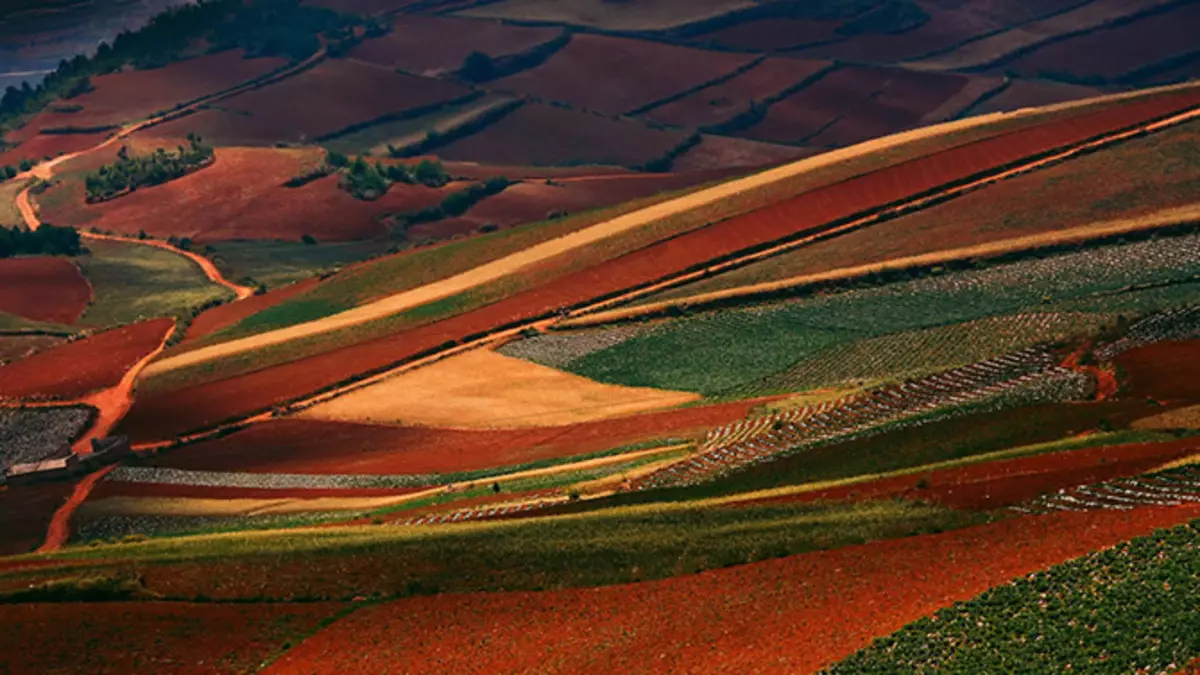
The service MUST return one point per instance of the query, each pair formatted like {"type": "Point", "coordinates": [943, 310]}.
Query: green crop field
{"type": "Point", "coordinates": [1129, 609]}
{"type": "Point", "coordinates": [134, 282]}
{"type": "Point", "coordinates": [279, 263]}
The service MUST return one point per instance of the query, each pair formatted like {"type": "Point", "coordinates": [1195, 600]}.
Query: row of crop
{"type": "Point", "coordinates": [1165, 488]}
{"type": "Point", "coordinates": [1026, 375]}
{"type": "Point", "coordinates": [266, 481]}
{"type": "Point", "coordinates": [489, 511]}
{"type": "Point", "coordinates": [1175, 324]}
{"type": "Point", "coordinates": [35, 434]}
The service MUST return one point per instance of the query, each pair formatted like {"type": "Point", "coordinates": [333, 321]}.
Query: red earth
{"type": "Point", "coordinates": [431, 45]}
{"type": "Point", "coordinates": [722, 102]}
{"type": "Point", "coordinates": [770, 34]}
{"type": "Point", "coordinates": [790, 615]}
{"type": "Point", "coordinates": [242, 196]}
{"type": "Point", "coordinates": [84, 366]}
{"type": "Point", "coordinates": [132, 95]}
{"type": "Point", "coordinates": [231, 313]}
{"type": "Point", "coordinates": [43, 289]}
{"type": "Point", "coordinates": [613, 76]}
{"type": "Point", "coordinates": [14, 347]}
{"type": "Point", "coordinates": [207, 404]}
{"type": "Point", "coordinates": [25, 512]}
{"type": "Point", "coordinates": [1032, 93]}
{"type": "Point", "coordinates": [41, 146]}
{"type": "Point", "coordinates": [538, 134]}
{"type": "Point", "coordinates": [715, 152]}
{"type": "Point", "coordinates": [157, 637]}
{"type": "Point", "coordinates": [308, 446]}
{"type": "Point", "coordinates": [331, 97]}
{"type": "Point", "coordinates": [106, 489]}
{"type": "Point", "coordinates": [943, 30]}
{"type": "Point", "coordinates": [998, 484]}
{"type": "Point", "coordinates": [1119, 50]}
{"type": "Point", "coordinates": [1165, 371]}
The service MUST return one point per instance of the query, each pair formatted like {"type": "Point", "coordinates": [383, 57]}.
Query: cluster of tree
{"type": "Point", "coordinates": [478, 67]}
{"type": "Point", "coordinates": [129, 173]}
{"type": "Point", "coordinates": [46, 240]}
{"type": "Point", "coordinates": [8, 171]}
{"type": "Point", "coordinates": [435, 139]}
{"type": "Point", "coordinates": [284, 28]}
{"type": "Point", "coordinates": [368, 181]}
{"type": "Point", "coordinates": [456, 203]}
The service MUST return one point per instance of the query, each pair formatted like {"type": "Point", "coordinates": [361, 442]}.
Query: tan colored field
{"type": "Point", "coordinates": [483, 389]}
{"type": "Point", "coordinates": [988, 50]}
{"type": "Point", "coordinates": [643, 15]}
{"type": "Point", "coordinates": [1182, 418]}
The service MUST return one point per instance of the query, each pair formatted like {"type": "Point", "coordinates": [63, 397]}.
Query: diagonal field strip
{"type": "Point", "coordinates": [517, 262]}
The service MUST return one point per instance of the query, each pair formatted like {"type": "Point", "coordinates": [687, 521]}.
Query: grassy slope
{"type": "Point", "coordinates": [135, 282]}
{"type": "Point", "coordinates": [1128, 609]}
{"type": "Point", "coordinates": [279, 263]}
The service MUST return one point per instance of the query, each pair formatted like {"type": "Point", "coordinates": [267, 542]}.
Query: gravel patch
{"type": "Point", "coordinates": [36, 434]}
{"type": "Point", "coordinates": [276, 481]}
{"type": "Point", "coordinates": [115, 528]}
{"type": "Point", "coordinates": [558, 350]}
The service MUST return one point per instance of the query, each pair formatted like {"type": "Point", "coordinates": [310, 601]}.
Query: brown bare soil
{"type": "Point", "coordinates": [770, 34]}
{"type": "Point", "coordinates": [481, 389]}
{"type": "Point", "coordinates": [1031, 94]}
{"type": "Point", "coordinates": [791, 615]}
{"type": "Point", "coordinates": [81, 367]}
{"type": "Point", "coordinates": [309, 446]}
{"type": "Point", "coordinates": [617, 75]}
{"type": "Point", "coordinates": [336, 94]}
{"type": "Point", "coordinates": [643, 15]}
{"type": "Point", "coordinates": [41, 146]}
{"type": "Point", "coordinates": [25, 512]}
{"type": "Point", "coordinates": [43, 289]}
{"type": "Point", "coordinates": [1166, 371]}
{"type": "Point", "coordinates": [160, 637]}
{"type": "Point", "coordinates": [434, 45]}
{"type": "Point", "coordinates": [714, 152]}
{"type": "Point", "coordinates": [111, 489]}
{"type": "Point", "coordinates": [16, 347]}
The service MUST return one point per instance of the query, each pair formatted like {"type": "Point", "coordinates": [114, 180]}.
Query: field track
{"type": "Point", "coordinates": [840, 200]}
{"type": "Point", "coordinates": [60, 525]}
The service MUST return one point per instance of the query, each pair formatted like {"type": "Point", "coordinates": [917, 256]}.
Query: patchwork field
{"type": "Point", "coordinates": [769, 35]}
{"type": "Point", "coordinates": [1031, 93]}
{"type": "Point", "coordinates": [435, 45]}
{"type": "Point", "coordinates": [617, 75]}
{"type": "Point", "coordinates": [43, 289]}
{"type": "Point", "coordinates": [653, 15]}
{"type": "Point", "coordinates": [325, 100]}
{"type": "Point", "coordinates": [718, 152]}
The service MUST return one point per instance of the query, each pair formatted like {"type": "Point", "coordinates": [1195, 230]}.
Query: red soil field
{"type": "Point", "coordinates": [1166, 371]}
{"type": "Point", "coordinates": [42, 146]}
{"type": "Point", "coordinates": [334, 95]}
{"type": "Point", "coordinates": [770, 35]}
{"type": "Point", "coordinates": [14, 347]}
{"type": "Point", "coordinates": [714, 152]}
{"type": "Point", "coordinates": [224, 316]}
{"type": "Point", "coordinates": [791, 615]}
{"type": "Point", "coordinates": [25, 512]}
{"type": "Point", "coordinates": [136, 94]}
{"type": "Point", "coordinates": [617, 75]}
{"type": "Point", "coordinates": [538, 134]}
{"type": "Point", "coordinates": [853, 104]}
{"type": "Point", "coordinates": [722, 102]}
{"type": "Point", "coordinates": [43, 289]}
{"type": "Point", "coordinates": [84, 366]}
{"type": "Point", "coordinates": [106, 489]}
{"type": "Point", "coordinates": [943, 30]}
{"type": "Point", "coordinates": [307, 446]}
{"type": "Point", "coordinates": [998, 484]}
{"type": "Point", "coordinates": [476, 171]}
{"type": "Point", "coordinates": [432, 45]}
{"type": "Point", "coordinates": [1120, 50]}
{"type": "Point", "coordinates": [185, 409]}
{"type": "Point", "coordinates": [1033, 93]}
{"type": "Point", "coordinates": [158, 637]}
{"type": "Point", "coordinates": [243, 196]}
{"type": "Point", "coordinates": [372, 7]}
{"type": "Point", "coordinates": [1004, 12]}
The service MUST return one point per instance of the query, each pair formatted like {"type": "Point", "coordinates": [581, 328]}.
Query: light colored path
{"type": "Point", "coordinates": [60, 524]}
{"type": "Point", "coordinates": [481, 389]}
{"type": "Point", "coordinates": [534, 255]}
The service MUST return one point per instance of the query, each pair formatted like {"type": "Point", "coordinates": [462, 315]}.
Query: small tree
{"type": "Point", "coordinates": [308, 239]}
{"type": "Point", "coordinates": [26, 164]}
{"type": "Point", "coordinates": [478, 67]}
{"type": "Point", "coordinates": [337, 159]}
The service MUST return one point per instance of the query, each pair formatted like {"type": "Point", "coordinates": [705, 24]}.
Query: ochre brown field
{"type": "Point", "coordinates": [43, 289]}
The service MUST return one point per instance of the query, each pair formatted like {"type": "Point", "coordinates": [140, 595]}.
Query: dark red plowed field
{"type": "Point", "coordinates": [304, 446]}
{"type": "Point", "coordinates": [42, 146]}
{"type": "Point", "coordinates": [792, 615]}
{"type": "Point", "coordinates": [943, 30]}
{"type": "Point", "coordinates": [431, 45]}
{"type": "Point", "coordinates": [770, 35]}
{"type": "Point", "coordinates": [106, 489]}
{"type": "Point", "coordinates": [1031, 94]}
{"type": "Point", "coordinates": [1166, 371]}
{"type": "Point", "coordinates": [25, 513]}
{"type": "Point", "coordinates": [716, 152]}
{"type": "Point", "coordinates": [81, 367]}
{"type": "Point", "coordinates": [616, 75]}
{"type": "Point", "coordinates": [210, 403]}
{"type": "Point", "coordinates": [43, 289]}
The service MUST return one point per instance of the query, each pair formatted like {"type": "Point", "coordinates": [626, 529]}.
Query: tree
{"type": "Point", "coordinates": [430, 173]}
{"type": "Point", "coordinates": [478, 67]}
{"type": "Point", "coordinates": [336, 159]}
{"type": "Point", "coordinates": [309, 239]}
{"type": "Point", "coordinates": [26, 164]}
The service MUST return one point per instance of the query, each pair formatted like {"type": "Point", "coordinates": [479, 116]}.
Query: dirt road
{"type": "Point", "coordinates": [60, 525]}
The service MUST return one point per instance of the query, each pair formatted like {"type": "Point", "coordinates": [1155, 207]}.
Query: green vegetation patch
{"type": "Point", "coordinates": [130, 173]}
{"type": "Point", "coordinates": [133, 282]}
{"type": "Point", "coordinates": [1129, 609]}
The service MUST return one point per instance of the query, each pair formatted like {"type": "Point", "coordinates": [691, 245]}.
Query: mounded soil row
{"type": "Point", "coordinates": [304, 446]}
{"type": "Point", "coordinates": [43, 289]}
{"type": "Point", "coordinates": [78, 368]}
{"type": "Point", "coordinates": [790, 615]}
{"type": "Point", "coordinates": [186, 409]}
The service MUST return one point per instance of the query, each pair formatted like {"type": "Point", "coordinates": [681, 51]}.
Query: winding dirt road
{"type": "Point", "coordinates": [60, 524]}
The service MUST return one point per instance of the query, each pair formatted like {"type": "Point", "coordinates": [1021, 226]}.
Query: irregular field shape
{"type": "Point", "coordinates": [35, 434]}
{"type": "Point", "coordinates": [136, 94]}
{"type": "Point", "coordinates": [1030, 94]}
{"type": "Point", "coordinates": [818, 105]}
{"type": "Point", "coordinates": [770, 34]}
{"type": "Point", "coordinates": [169, 637]}
{"type": "Point", "coordinates": [483, 389]}
{"type": "Point", "coordinates": [43, 289]}
{"type": "Point", "coordinates": [84, 366]}
{"type": "Point", "coordinates": [714, 152]}
{"type": "Point", "coordinates": [243, 196]}
{"type": "Point", "coordinates": [230, 314]}
{"type": "Point", "coordinates": [617, 75]}
{"type": "Point", "coordinates": [334, 95]}
{"type": "Point", "coordinates": [539, 134]}
{"type": "Point", "coordinates": [1166, 371]}
{"type": "Point", "coordinates": [645, 15]}
{"type": "Point", "coordinates": [902, 103]}
{"type": "Point", "coordinates": [431, 45]}
{"type": "Point", "coordinates": [216, 401]}
{"type": "Point", "coordinates": [721, 102]}
{"type": "Point", "coordinates": [25, 514]}
{"type": "Point", "coordinates": [310, 446]}
{"type": "Point", "coordinates": [16, 347]}
{"type": "Point", "coordinates": [943, 30]}
{"type": "Point", "coordinates": [41, 146]}
{"type": "Point", "coordinates": [748, 616]}
{"type": "Point", "coordinates": [1120, 50]}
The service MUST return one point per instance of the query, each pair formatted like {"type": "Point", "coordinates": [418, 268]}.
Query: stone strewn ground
{"type": "Point", "coordinates": [32, 435]}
